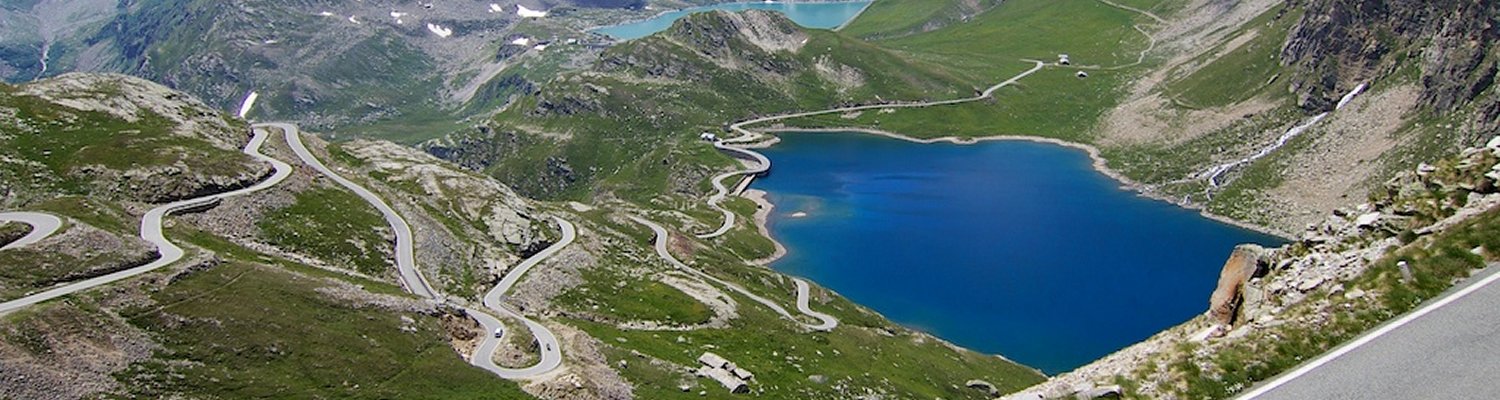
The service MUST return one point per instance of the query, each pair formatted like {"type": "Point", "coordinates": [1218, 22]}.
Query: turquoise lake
{"type": "Point", "coordinates": [820, 15]}
{"type": "Point", "coordinates": [1014, 248]}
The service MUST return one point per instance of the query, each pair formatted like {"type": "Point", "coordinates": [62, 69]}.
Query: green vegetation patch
{"type": "Point", "coordinates": [247, 331]}
{"type": "Point", "coordinates": [986, 48]}
{"type": "Point", "coordinates": [785, 361]}
{"type": "Point", "coordinates": [1050, 103]}
{"type": "Point", "coordinates": [63, 141]}
{"type": "Point", "coordinates": [609, 292]}
{"type": "Point", "coordinates": [1236, 74]}
{"type": "Point", "coordinates": [30, 269]}
{"type": "Point", "coordinates": [334, 226]}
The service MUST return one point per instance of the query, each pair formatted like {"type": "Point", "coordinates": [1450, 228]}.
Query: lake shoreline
{"type": "Point", "coordinates": [1099, 164]}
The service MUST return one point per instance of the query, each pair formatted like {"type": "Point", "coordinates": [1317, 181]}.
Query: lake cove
{"type": "Point", "coordinates": [818, 15]}
{"type": "Point", "coordinates": [1014, 248]}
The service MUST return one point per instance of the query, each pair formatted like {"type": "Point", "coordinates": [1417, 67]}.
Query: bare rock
{"type": "Point", "coordinates": [1244, 263]}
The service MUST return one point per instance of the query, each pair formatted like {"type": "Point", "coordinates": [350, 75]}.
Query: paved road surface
{"type": "Point", "coordinates": [151, 231]}
{"type": "Point", "coordinates": [1448, 349]}
{"type": "Point", "coordinates": [415, 282]}
{"type": "Point", "coordinates": [484, 356]}
{"type": "Point", "coordinates": [42, 226]}
{"type": "Point", "coordinates": [827, 322]}
{"type": "Point", "coordinates": [406, 263]}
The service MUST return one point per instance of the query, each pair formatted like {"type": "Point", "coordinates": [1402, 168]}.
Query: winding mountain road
{"type": "Point", "coordinates": [484, 356]}
{"type": "Point", "coordinates": [826, 322]}
{"type": "Point", "coordinates": [406, 264]}
{"type": "Point", "coordinates": [151, 231]}
{"type": "Point", "coordinates": [416, 283]}
{"type": "Point", "coordinates": [42, 226]}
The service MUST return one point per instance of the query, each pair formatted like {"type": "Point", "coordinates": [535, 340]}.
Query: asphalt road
{"type": "Point", "coordinates": [416, 283]}
{"type": "Point", "coordinates": [1448, 349]}
{"type": "Point", "coordinates": [827, 322]}
{"type": "Point", "coordinates": [151, 231]}
{"type": "Point", "coordinates": [550, 349]}
{"type": "Point", "coordinates": [406, 264]}
{"type": "Point", "coordinates": [42, 226]}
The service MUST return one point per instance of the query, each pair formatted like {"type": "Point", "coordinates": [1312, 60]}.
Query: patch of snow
{"type": "Point", "coordinates": [270, 41]}
{"type": "Point", "coordinates": [540, 47]}
{"type": "Point", "coordinates": [249, 102]}
{"type": "Point", "coordinates": [494, 8]}
{"type": "Point", "coordinates": [354, 20]}
{"type": "Point", "coordinates": [529, 13]}
{"type": "Point", "coordinates": [397, 16]}
{"type": "Point", "coordinates": [570, 41]}
{"type": "Point", "coordinates": [326, 14]}
{"type": "Point", "coordinates": [439, 30]}
{"type": "Point", "coordinates": [521, 41]}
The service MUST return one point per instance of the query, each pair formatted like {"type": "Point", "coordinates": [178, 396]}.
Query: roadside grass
{"type": "Point", "coordinates": [13, 231]}
{"type": "Point", "coordinates": [241, 330]}
{"type": "Point", "coordinates": [333, 226]}
{"type": "Point", "coordinates": [1234, 75]}
{"type": "Point", "coordinates": [744, 240]}
{"type": "Point", "coordinates": [231, 251]}
{"type": "Point", "coordinates": [987, 47]}
{"type": "Point", "coordinates": [610, 293]}
{"type": "Point", "coordinates": [783, 360]}
{"type": "Point", "coordinates": [29, 269]}
{"type": "Point", "coordinates": [865, 350]}
{"type": "Point", "coordinates": [1049, 103]}
{"type": "Point", "coordinates": [1437, 263]}
{"type": "Point", "coordinates": [96, 212]}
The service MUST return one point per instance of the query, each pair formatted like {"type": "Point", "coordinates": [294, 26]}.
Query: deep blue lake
{"type": "Point", "coordinates": [819, 15]}
{"type": "Point", "coordinates": [1013, 248]}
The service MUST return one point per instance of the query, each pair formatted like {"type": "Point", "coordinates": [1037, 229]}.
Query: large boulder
{"type": "Point", "coordinates": [1244, 263]}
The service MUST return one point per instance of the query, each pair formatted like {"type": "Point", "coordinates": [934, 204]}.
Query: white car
{"type": "Point", "coordinates": [499, 332]}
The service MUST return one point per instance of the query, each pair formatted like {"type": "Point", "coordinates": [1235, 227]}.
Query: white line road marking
{"type": "Point", "coordinates": [1367, 338]}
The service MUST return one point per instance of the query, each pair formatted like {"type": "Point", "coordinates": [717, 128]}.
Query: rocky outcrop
{"type": "Point", "coordinates": [1244, 263]}
{"type": "Point", "coordinates": [1340, 43]}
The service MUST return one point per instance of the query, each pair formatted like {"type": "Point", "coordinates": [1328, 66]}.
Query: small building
{"type": "Point", "coordinates": [708, 137]}
{"type": "Point", "coordinates": [1063, 59]}
{"type": "Point", "coordinates": [724, 377]}
{"type": "Point", "coordinates": [1082, 74]}
{"type": "Point", "coordinates": [712, 360]}
{"type": "Point", "coordinates": [743, 374]}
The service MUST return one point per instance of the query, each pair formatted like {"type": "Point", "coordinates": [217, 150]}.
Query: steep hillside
{"type": "Point", "coordinates": [247, 312]}
{"type": "Point", "coordinates": [612, 127]}
{"type": "Point", "coordinates": [393, 69]}
{"type": "Point", "coordinates": [289, 290]}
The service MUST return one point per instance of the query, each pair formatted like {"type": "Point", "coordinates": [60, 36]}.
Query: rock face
{"type": "Point", "coordinates": [1244, 263]}
{"type": "Point", "coordinates": [1339, 43]}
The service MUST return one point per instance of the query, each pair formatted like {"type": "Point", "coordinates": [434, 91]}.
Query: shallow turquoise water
{"type": "Point", "coordinates": [1012, 248]}
{"type": "Point", "coordinates": [820, 15]}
